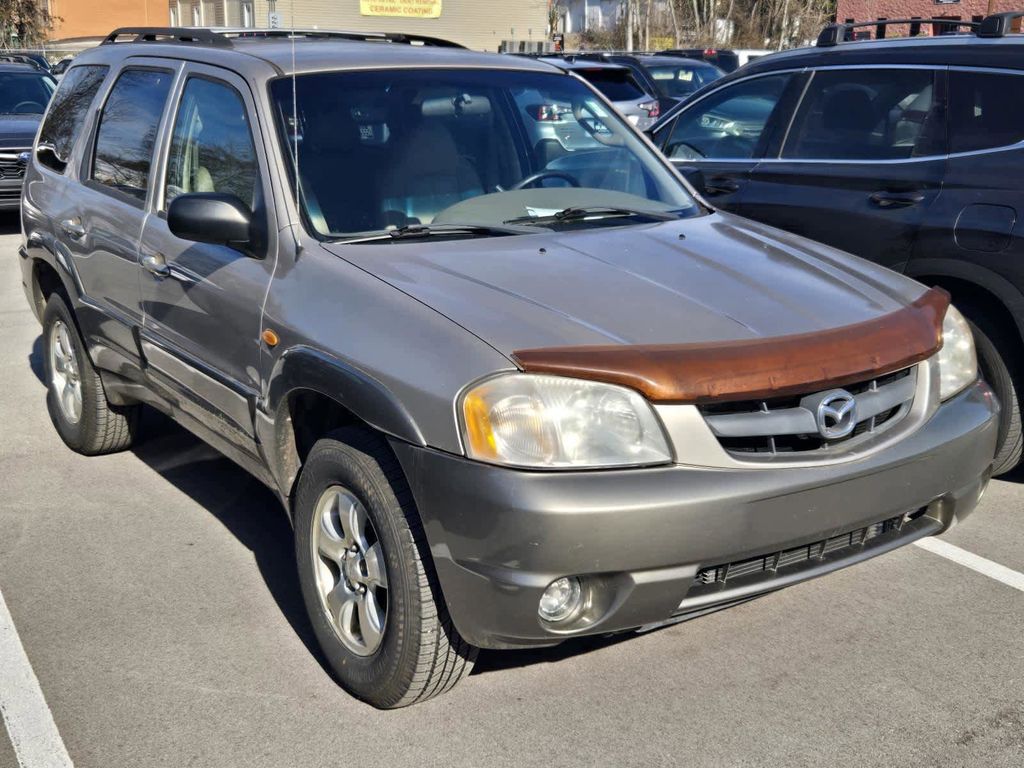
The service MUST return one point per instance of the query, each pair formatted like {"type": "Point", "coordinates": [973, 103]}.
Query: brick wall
{"type": "Point", "coordinates": [79, 18]}
{"type": "Point", "coordinates": [869, 10]}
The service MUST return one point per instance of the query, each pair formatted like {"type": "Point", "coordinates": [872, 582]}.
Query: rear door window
{"type": "Point", "coordinates": [868, 114]}
{"type": "Point", "coordinates": [985, 110]}
{"type": "Point", "coordinates": [67, 114]}
{"type": "Point", "coordinates": [728, 124]}
{"type": "Point", "coordinates": [128, 129]}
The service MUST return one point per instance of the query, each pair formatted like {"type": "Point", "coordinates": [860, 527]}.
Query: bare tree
{"type": "Point", "coordinates": [24, 22]}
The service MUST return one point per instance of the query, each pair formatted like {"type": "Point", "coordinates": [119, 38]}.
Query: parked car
{"type": "Point", "coordinates": [505, 400]}
{"type": "Point", "coordinates": [725, 60]}
{"type": "Point", "coordinates": [25, 90]}
{"type": "Point", "coordinates": [905, 151]}
{"type": "Point", "coordinates": [746, 55]}
{"type": "Point", "coordinates": [60, 67]}
{"type": "Point", "coordinates": [668, 78]}
{"type": "Point", "coordinates": [618, 84]}
{"type": "Point", "coordinates": [34, 57]}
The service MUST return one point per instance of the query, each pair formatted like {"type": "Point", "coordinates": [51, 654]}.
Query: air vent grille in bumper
{"type": "Point", "coordinates": [776, 561]}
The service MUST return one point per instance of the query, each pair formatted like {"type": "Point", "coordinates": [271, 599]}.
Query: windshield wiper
{"type": "Point", "coordinates": [414, 231]}
{"type": "Point", "coordinates": [584, 213]}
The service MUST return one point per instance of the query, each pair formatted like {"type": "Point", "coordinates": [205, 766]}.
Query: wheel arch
{"type": "Point", "coordinates": [311, 394]}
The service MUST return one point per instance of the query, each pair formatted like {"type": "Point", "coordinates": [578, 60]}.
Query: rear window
{"type": "Point", "coordinates": [615, 84]}
{"type": "Point", "coordinates": [985, 110]}
{"type": "Point", "coordinates": [67, 115]}
{"type": "Point", "coordinates": [677, 80]}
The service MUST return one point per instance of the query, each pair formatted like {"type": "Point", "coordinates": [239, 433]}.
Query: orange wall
{"type": "Point", "coordinates": [83, 18]}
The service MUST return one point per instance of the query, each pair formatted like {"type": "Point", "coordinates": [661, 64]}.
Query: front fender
{"type": "Point", "coordinates": [308, 369]}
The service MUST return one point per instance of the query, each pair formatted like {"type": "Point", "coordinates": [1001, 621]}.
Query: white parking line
{"type": "Point", "coordinates": [33, 733]}
{"type": "Point", "coordinates": [974, 562]}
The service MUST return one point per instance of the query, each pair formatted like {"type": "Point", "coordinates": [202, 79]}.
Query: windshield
{"type": "Point", "coordinates": [384, 150]}
{"type": "Point", "coordinates": [680, 80]}
{"type": "Point", "coordinates": [25, 93]}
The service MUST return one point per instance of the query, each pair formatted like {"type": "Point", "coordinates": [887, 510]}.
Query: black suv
{"type": "Point", "coordinates": [25, 90]}
{"type": "Point", "coordinates": [906, 151]}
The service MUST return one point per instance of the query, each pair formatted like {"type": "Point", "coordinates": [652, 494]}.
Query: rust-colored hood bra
{"type": "Point", "coordinates": [758, 368]}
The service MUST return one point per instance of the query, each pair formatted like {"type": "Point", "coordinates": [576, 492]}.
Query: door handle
{"type": "Point", "coordinates": [896, 199]}
{"type": "Point", "coordinates": [155, 264]}
{"type": "Point", "coordinates": [720, 185]}
{"type": "Point", "coordinates": [73, 228]}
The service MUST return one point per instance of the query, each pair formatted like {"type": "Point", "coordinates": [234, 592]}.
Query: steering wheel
{"type": "Point", "coordinates": [534, 178]}
{"type": "Point", "coordinates": [33, 107]}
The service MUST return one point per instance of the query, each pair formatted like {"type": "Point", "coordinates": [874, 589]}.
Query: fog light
{"type": "Point", "coordinates": [561, 599]}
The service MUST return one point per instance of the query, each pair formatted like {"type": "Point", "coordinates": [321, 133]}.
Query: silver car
{"type": "Point", "coordinates": [618, 84]}
{"type": "Point", "coordinates": [505, 399]}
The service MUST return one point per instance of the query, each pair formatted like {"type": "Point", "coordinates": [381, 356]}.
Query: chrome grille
{"type": "Point", "coordinates": [786, 425]}
{"type": "Point", "coordinates": [11, 167]}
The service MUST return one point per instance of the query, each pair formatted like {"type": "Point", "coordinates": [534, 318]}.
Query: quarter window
{"type": "Point", "coordinates": [67, 114]}
{"type": "Point", "coordinates": [867, 114]}
{"type": "Point", "coordinates": [212, 148]}
{"type": "Point", "coordinates": [728, 124]}
{"type": "Point", "coordinates": [984, 110]}
{"type": "Point", "coordinates": [128, 128]}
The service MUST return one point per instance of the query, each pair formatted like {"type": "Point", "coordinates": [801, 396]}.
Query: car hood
{"type": "Point", "coordinates": [18, 131]}
{"type": "Point", "coordinates": [710, 278]}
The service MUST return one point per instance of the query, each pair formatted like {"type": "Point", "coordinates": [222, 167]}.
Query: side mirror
{"type": "Point", "coordinates": [695, 176]}
{"type": "Point", "coordinates": [211, 217]}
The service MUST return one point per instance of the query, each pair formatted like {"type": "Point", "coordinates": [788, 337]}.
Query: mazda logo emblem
{"type": "Point", "coordinates": [837, 414]}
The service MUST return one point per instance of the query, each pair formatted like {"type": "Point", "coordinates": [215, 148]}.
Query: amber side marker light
{"type": "Point", "coordinates": [270, 338]}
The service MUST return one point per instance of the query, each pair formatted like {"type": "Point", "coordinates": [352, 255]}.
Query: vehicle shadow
{"type": "Point", "coordinates": [10, 223]}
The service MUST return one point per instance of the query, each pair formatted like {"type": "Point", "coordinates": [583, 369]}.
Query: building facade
{"type": "Point", "coordinates": [960, 10]}
{"type": "Point", "coordinates": [77, 18]}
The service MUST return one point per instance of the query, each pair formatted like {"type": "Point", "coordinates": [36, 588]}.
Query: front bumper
{"type": "Point", "coordinates": [499, 536]}
{"type": "Point", "coordinates": [10, 194]}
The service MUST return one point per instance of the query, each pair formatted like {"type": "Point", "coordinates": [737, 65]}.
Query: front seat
{"type": "Point", "coordinates": [426, 176]}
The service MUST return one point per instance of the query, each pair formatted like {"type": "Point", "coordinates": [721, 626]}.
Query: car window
{"type": "Point", "coordinates": [127, 131]}
{"type": "Point", "coordinates": [67, 114]}
{"type": "Point", "coordinates": [386, 149]}
{"type": "Point", "coordinates": [25, 93]}
{"type": "Point", "coordinates": [211, 148]}
{"type": "Point", "coordinates": [680, 80]}
{"type": "Point", "coordinates": [867, 114]}
{"type": "Point", "coordinates": [727, 124]}
{"type": "Point", "coordinates": [984, 110]}
{"type": "Point", "coordinates": [615, 84]}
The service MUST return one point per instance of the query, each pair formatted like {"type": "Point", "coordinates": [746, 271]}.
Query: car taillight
{"type": "Point", "coordinates": [652, 108]}
{"type": "Point", "coordinates": [710, 51]}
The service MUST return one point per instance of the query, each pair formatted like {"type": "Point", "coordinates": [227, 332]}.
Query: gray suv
{"type": "Point", "coordinates": [506, 399]}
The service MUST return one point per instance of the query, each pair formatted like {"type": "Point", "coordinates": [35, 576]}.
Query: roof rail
{"type": "Point", "coordinates": [16, 58]}
{"type": "Point", "coordinates": [337, 34]}
{"type": "Point", "coordinates": [998, 24]}
{"type": "Point", "coordinates": [167, 35]}
{"type": "Point", "coordinates": [834, 34]}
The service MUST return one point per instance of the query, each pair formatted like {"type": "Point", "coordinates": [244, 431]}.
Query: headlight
{"type": "Point", "coordinates": [552, 422]}
{"type": "Point", "coordinates": [958, 362]}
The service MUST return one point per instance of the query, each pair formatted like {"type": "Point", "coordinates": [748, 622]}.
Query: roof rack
{"type": "Point", "coordinates": [167, 35]}
{"type": "Point", "coordinates": [834, 34]}
{"type": "Point", "coordinates": [16, 58]}
{"type": "Point", "coordinates": [998, 24]}
{"type": "Point", "coordinates": [251, 33]}
{"type": "Point", "coordinates": [223, 37]}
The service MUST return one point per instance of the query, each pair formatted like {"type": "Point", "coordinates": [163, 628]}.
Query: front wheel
{"type": "Point", "coordinates": [367, 578]}
{"type": "Point", "coordinates": [994, 350]}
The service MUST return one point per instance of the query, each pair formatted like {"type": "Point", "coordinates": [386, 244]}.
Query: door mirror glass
{"type": "Point", "coordinates": [211, 217]}
{"type": "Point", "coordinates": [728, 124]}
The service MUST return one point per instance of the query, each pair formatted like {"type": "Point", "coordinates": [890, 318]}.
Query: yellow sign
{"type": "Point", "coordinates": [410, 9]}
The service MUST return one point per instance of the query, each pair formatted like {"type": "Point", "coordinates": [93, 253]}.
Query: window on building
{"type": "Point", "coordinates": [869, 114]}
{"type": "Point", "coordinates": [197, 15]}
{"type": "Point", "coordinates": [984, 110]}
{"type": "Point", "coordinates": [127, 132]}
{"type": "Point", "coordinates": [247, 15]}
{"type": "Point", "coordinates": [212, 148]}
{"type": "Point", "coordinates": [67, 114]}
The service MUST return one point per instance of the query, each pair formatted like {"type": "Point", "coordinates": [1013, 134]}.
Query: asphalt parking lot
{"type": "Point", "coordinates": [154, 594]}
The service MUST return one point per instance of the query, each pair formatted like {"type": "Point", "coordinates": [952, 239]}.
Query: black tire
{"type": "Point", "coordinates": [421, 654]}
{"type": "Point", "coordinates": [994, 349]}
{"type": "Point", "coordinates": [102, 427]}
